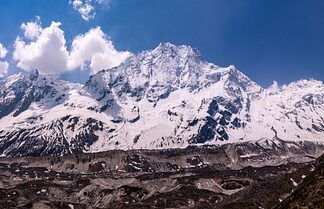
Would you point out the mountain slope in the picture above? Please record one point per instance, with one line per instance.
(309, 193)
(163, 98)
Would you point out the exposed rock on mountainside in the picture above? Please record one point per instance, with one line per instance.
(167, 97)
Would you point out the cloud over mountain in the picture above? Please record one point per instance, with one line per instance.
(3, 68)
(4, 65)
(46, 50)
(86, 8)
(32, 29)
(96, 48)
(3, 51)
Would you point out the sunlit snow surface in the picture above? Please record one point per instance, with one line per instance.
(167, 97)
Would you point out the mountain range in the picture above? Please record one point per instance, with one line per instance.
(167, 97)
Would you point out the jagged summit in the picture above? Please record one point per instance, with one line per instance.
(34, 74)
(161, 98)
(305, 83)
(155, 74)
(20, 91)
(170, 49)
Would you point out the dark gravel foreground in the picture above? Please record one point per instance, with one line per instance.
(190, 178)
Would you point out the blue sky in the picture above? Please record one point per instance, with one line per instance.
(267, 40)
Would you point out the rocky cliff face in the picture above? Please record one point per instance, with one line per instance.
(167, 97)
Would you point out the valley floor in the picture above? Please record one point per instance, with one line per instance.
(148, 179)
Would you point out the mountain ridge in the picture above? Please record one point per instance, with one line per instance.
(162, 98)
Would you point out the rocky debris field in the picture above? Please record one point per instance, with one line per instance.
(189, 178)
(310, 193)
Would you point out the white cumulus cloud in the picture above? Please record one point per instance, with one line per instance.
(3, 68)
(3, 51)
(95, 47)
(86, 8)
(32, 29)
(45, 49)
(47, 52)
(4, 65)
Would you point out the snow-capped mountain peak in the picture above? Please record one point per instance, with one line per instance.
(160, 98)
(167, 49)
